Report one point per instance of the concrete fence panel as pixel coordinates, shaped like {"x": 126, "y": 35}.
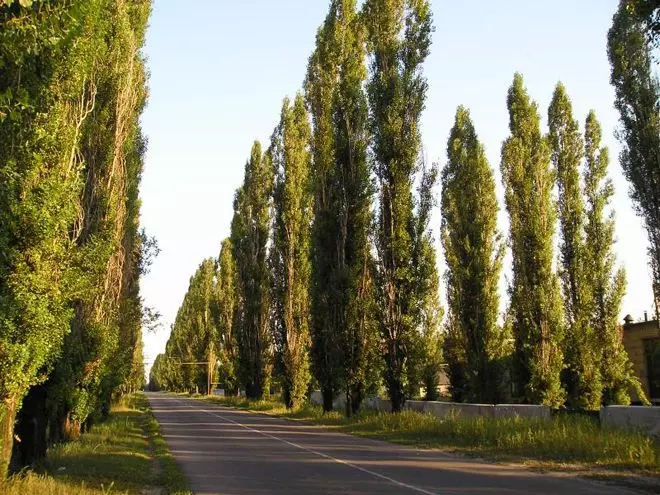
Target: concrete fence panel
{"x": 643, "y": 418}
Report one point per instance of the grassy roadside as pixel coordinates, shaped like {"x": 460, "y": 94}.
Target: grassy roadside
{"x": 567, "y": 442}
{"x": 169, "y": 475}
{"x": 124, "y": 454}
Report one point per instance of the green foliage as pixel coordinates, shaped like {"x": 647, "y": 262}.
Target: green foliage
{"x": 398, "y": 43}
{"x": 536, "y": 304}
{"x": 191, "y": 348}
{"x": 344, "y": 337}
{"x": 581, "y": 376}
{"x": 637, "y": 93}
{"x": 37, "y": 197}
{"x": 425, "y": 349}
{"x": 647, "y": 13}
{"x": 249, "y": 236}
{"x": 320, "y": 86}
{"x": 474, "y": 252}
{"x": 607, "y": 285}
{"x": 71, "y": 90}
{"x": 290, "y": 251}
{"x": 107, "y": 309}
{"x": 226, "y": 316}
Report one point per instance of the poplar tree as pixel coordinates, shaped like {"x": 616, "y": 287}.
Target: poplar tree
{"x": 343, "y": 331}
{"x": 38, "y": 85}
{"x": 320, "y": 85}
{"x": 536, "y": 306}
{"x": 249, "y": 236}
{"x": 581, "y": 375}
{"x": 398, "y": 43}
{"x": 473, "y": 251}
{"x": 289, "y": 255}
{"x": 226, "y": 315}
{"x": 194, "y": 335}
{"x": 638, "y": 100}
{"x": 105, "y": 236}
{"x": 424, "y": 349}
{"x": 82, "y": 259}
{"x": 608, "y": 285}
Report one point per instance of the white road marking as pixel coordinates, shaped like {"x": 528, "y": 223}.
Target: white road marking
{"x": 320, "y": 454}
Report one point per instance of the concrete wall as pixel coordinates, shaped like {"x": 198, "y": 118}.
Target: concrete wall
{"x": 444, "y": 409}
{"x": 644, "y": 419}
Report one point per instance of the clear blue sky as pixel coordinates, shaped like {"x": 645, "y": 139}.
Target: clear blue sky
{"x": 220, "y": 68}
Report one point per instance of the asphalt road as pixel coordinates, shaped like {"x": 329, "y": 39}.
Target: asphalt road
{"x": 228, "y": 451}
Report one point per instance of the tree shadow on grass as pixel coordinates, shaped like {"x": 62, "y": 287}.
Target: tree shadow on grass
{"x": 115, "y": 453}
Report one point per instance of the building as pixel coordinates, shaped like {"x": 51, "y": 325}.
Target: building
{"x": 642, "y": 343}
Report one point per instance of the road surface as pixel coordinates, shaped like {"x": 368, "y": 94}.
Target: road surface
{"x": 229, "y": 451}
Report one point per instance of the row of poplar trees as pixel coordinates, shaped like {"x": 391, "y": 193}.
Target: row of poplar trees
{"x": 72, "y": 86}
{"x": 329, "y": 277}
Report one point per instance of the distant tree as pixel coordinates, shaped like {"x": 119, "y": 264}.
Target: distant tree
{"x": 474, "y": 252}
{"x": 638, "y": 101}
{"x": 581, "y": 376}
{"x": 398, "y": 43}
{"x": 249, "y": 236}
{"x": 226, "y": 316}
{"x": 536, "y": 306}
{"x": 194, "y": 336}
{"x": 290, "y": 252}
{"x": 608, "y": 285}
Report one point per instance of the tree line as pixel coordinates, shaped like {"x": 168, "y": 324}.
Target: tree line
{"x": 72, "y": 87}
{"x": 329, "y": 278}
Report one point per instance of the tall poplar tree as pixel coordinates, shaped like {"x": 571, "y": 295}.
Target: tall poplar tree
{"x": 581, "y": 375}
{"x": 226, "y": 315}
{"x": 344, "y": 340}
{"x": 399, "y": 37}
{"x": 249, "y": 236}
{"x": 608, "y": 285}
{"x": 473, "y": 251}
{"x": 638, "y": 100}
{"x": 536, "y": 304}
{"x": 105, "y": 235}
{"x": 289, "y": 255}
{"x": 70, "y": 133}
{"x": 38, "y": 84}
{"x": 320, "y": 84}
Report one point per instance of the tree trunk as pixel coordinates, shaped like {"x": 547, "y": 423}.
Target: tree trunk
{"x": 72, "y": 428}
{"x": 357, "y": 395}
{"x": 7, "y": 418}
{"x": 30, "y": 428}
{"x": 328, "y": 396}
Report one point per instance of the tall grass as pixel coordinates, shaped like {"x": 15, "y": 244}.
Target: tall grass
{"x": 562, "y": 440}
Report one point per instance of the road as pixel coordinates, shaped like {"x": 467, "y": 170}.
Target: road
{"x": 229, "y": 451}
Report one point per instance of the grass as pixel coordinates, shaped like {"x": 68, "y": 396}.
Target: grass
{"x": 562, "y": 442}
{"x": 124, "y": 454}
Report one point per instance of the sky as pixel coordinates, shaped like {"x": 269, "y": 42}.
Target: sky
{"x": 219, "y": 70}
